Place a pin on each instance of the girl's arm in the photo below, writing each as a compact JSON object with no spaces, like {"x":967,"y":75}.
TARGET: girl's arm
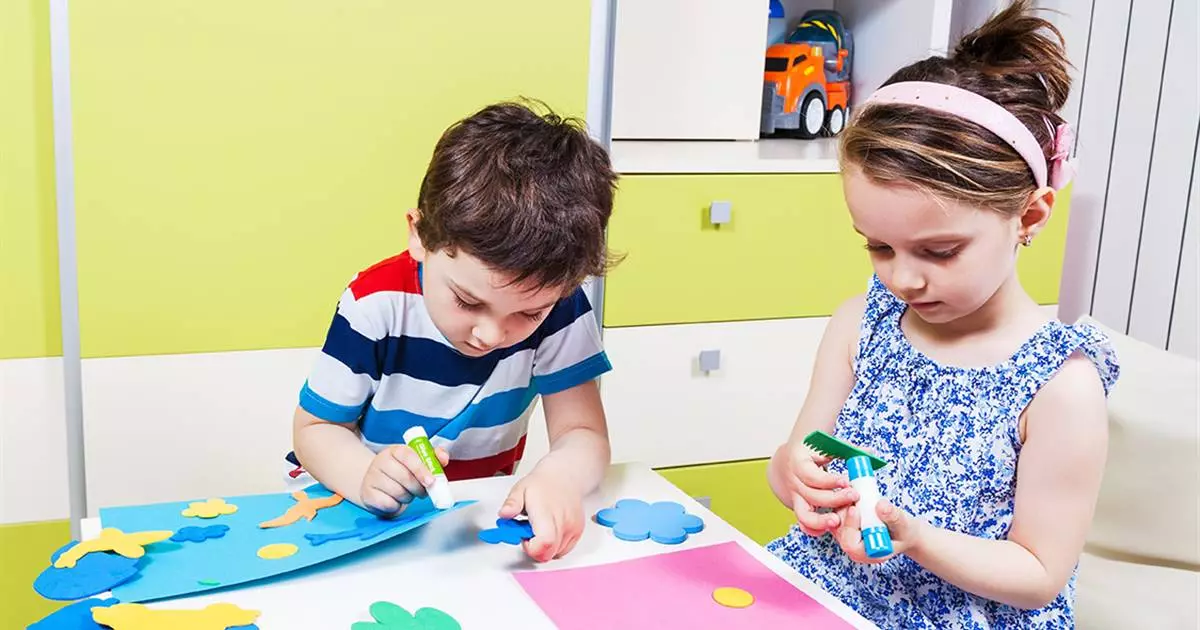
{"x":1058,"y":479}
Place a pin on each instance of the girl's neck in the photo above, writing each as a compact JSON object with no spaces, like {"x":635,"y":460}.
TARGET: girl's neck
{"x":1010,"y":306}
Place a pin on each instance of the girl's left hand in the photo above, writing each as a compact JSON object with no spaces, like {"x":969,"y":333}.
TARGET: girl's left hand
{"x":905,"y":531}
{"x":555,"y":510}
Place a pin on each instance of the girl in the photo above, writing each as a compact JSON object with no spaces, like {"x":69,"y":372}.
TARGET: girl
{"x":991,"y":415}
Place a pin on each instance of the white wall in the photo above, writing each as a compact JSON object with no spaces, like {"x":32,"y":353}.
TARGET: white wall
{"x":1129,"y":262}
{"x":33,"y":455}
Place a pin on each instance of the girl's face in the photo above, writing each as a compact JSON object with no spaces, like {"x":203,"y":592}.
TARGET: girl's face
{"x":945,"y":260}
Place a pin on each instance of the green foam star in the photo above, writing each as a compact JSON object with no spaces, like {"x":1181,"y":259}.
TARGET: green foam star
{"x":389,"y":616}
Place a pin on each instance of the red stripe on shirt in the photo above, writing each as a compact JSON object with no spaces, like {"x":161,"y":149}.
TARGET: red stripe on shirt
{"x":499,"y":464}
{"x":398,"y":273}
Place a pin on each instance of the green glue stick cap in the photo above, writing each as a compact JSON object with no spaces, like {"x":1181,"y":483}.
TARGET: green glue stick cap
{"x":439,"y":491}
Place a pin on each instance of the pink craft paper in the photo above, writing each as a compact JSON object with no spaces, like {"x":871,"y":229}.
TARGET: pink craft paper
{"x":674,"y":590}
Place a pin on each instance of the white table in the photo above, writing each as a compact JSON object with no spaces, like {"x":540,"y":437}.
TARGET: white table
{"x":443,"y":563}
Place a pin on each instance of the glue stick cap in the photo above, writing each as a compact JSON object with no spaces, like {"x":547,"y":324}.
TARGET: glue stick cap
{"x":877,"y":541}
{"x":440,"y":494}
{"x":859,"y":466}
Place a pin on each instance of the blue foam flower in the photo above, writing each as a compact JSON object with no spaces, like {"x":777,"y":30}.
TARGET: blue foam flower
{"x":665,"y":522}
{"x":508,"y":531}
{"x":94,"y":573}
{"x":191,"y":533}
{"x":77,"y":616}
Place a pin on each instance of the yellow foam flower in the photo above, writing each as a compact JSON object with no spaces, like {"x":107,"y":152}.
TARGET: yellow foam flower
{"x":211,"y":508}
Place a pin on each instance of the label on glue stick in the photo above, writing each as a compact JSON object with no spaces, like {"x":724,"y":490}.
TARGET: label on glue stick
{"x":439,"y":492}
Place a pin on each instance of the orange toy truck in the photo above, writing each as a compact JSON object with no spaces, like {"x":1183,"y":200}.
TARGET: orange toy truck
{"x":806,"y":82}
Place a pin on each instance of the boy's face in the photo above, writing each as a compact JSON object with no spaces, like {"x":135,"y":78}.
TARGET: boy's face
{"x":476,"y":308}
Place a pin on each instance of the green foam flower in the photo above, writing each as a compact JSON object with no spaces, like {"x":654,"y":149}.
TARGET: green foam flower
{"x":389,"y":616}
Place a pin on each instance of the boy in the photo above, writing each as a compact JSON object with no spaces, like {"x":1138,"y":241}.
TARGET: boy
{"x":461,"y":332}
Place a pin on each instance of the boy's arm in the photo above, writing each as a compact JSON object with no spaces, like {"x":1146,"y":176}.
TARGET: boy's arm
{"x":332,"y":453}
{"x":1058,"y":480}
{"x":579,"y":448}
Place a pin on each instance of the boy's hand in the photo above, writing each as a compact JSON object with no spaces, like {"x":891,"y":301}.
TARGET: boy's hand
{"x":555,"y":510}
{"x":395,"y":476}
{"x":812,"y":487}
{"x":906,"y":532}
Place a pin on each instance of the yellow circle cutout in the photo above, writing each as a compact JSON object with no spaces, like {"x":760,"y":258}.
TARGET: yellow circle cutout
{"x":277,"y":551}
{"x":732,"y":597}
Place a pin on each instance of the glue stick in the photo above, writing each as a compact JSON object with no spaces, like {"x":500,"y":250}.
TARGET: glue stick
{"x":877,"y":541}
{"x":439,"y":491}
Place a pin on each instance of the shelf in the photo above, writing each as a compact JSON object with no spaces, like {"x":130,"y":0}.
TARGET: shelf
{"x":730,"y":156}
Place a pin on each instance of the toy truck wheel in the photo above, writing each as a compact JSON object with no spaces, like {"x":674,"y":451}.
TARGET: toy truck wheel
{"x":812,"y":116}
{"x":835,"y":122}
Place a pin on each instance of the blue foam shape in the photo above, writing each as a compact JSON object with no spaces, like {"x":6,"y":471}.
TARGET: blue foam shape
{"x":77,"y":616}
{"x":232,"y":559}
{"x":509,"y":531}
{"x":664,"y":522}
{"x":191,"y":533}
{"x":92,"y":574}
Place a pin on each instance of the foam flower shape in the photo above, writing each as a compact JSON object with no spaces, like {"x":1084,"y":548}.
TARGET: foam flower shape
{"x":94,"y":573}
{"x":211,"y":508}
{"x":665,"y":522}
{"x":507,"y":530}
{"x":77,"y":616}
{"x":389,"y":616}
{"x":192,"y":533}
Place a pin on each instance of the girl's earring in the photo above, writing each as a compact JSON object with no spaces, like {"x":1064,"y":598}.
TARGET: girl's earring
{"x":1027,"y":240}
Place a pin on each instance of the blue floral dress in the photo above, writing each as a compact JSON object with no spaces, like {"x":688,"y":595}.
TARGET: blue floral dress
{"x":951,"y":438}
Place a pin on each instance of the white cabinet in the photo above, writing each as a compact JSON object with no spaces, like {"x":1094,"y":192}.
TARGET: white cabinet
{"x":664,"y":410}
{"x":687,"y":76}
{"x":685,"y":69}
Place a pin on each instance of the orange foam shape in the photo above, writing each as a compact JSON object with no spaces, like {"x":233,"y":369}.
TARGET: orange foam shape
{"x":304,"y":508}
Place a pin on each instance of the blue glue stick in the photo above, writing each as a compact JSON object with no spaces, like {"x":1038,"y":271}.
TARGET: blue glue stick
{"x":876,"y":539}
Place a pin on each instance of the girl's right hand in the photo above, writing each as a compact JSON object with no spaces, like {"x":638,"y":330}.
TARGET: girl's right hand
{"x":812,"y":488}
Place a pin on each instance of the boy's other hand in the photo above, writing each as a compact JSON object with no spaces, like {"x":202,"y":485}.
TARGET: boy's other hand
{"x":555,"y":510}
{"x":813,"y":488}
{"x":395,"y":477}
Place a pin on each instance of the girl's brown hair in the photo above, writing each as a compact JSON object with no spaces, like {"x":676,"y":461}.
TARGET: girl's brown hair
{"x":1017,"y":60}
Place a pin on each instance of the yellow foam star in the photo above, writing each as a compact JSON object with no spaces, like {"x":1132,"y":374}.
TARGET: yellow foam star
{"x":211,"y":508}
{"x":138,"y":617}
{"x":111,"y":539}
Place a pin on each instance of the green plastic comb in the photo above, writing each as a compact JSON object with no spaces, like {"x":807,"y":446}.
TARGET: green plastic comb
{"x":830,"y":446}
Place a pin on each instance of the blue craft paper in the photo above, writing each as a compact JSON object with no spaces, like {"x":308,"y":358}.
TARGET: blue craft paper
{"x":92,"y":574}
{"x":172,"y":571}
{"x":77,"y":616}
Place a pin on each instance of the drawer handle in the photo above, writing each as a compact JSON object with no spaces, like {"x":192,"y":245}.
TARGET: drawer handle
{"x":720,"y":212}
{"x":710,"y":360}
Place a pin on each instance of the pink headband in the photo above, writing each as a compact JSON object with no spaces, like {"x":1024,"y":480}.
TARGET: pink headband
{"x":990,"y":115}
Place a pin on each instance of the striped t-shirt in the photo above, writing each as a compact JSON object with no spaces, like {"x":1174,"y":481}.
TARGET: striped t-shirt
{"x":386,"y":367}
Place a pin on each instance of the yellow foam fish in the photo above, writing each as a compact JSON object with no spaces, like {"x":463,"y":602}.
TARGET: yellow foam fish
{"x":138,"y":617}
{"x":111,"y":539}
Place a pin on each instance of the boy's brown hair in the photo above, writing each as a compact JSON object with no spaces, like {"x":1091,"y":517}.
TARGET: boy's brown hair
{"x":529,"y":194}
{"x":1017,"y":60}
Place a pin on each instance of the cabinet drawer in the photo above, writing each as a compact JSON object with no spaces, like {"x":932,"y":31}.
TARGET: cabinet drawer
{"x":788,"y":249}
{"x":688,"y":69}
{"x":663,"y":410}
{"x":738,"y":493}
